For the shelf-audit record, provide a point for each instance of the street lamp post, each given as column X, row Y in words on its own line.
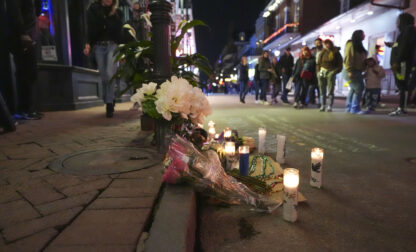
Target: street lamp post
column 161, row 19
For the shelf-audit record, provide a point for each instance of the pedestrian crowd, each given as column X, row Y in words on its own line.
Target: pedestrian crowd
column 313, row 75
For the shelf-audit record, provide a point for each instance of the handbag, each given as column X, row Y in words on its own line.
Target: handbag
column 307, row 75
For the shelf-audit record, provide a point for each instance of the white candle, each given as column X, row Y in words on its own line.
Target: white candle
column 290, row 183
column 281, row 149
column 211, row 133
column 200, row 125
column 229, row 154
column 227, row 134
column 211, row 124
column 262, row 140
column 317, row 160
column 217, row 136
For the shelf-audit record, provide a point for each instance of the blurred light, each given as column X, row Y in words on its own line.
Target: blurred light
column 338, row 27
column 291, row 38
column 304, row 43
column 214, row 84
column 276, row 53
column 196, row 71
column 266, row 14
column 235, row 69
column 216, row 78
column 370, row 13
column 352, row 21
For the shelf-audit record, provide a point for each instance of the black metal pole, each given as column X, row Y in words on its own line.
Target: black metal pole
column 161, row 19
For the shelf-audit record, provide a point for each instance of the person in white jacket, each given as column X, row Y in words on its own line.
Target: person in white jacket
column 373, row 76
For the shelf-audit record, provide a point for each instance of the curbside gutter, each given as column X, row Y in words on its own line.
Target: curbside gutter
column 174, row 225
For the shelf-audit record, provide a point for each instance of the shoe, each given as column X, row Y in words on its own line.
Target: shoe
column 285, row 101
column 322, row 109
column 362, row 112
column 256, row 102
column 109, row 110
column 295, row 105
column 329, row 109
column 243, row 101
column 397, row 112
column 266, row 103
column 32, row 116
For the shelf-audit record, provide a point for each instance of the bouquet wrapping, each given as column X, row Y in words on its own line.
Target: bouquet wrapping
column 203, row 169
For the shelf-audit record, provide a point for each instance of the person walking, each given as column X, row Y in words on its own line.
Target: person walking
column 265, row 68
column 104, row 33
column 403, row 59
column 286, row 63
column 316, row 50
column 303, row 76
column 329, row 64
column 276, row 80
column 242, row 71
column 373, row 76
column 354, row 65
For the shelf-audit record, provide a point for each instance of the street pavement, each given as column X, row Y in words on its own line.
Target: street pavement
column 367, row 202
column 41, row 209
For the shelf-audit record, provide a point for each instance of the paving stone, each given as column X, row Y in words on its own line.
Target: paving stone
column 32, row 243
column 122, row 203
column 104, row 227
column 154, row 172
column 149, row 189
column 30, row 227
column 39, row 192
column 8, row 193
column 16, row 211
column 63, row 204
column 89, row 248
column 16, row 164
column 61, row 181
column 18, row 177
column 86, row 187
column 27, row 151
column 3, row 182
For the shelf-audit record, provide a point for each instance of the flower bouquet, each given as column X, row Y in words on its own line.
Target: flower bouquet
column 174, row 100
column 184, row 162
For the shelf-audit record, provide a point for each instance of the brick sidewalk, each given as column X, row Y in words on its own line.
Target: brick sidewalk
column 44, row 210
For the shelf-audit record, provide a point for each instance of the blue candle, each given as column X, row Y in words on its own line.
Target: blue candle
column 244, row 152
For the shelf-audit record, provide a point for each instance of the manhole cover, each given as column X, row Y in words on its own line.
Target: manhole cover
column 411, row 160
column 105, row 161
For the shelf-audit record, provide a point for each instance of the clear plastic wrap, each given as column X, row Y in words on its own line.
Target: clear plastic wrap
column 184, row 161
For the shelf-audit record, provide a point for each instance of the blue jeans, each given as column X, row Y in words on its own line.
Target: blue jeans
column 356, row 92
column 263, row 89
column 243, row 89
column 285, row 78
column 107, row 67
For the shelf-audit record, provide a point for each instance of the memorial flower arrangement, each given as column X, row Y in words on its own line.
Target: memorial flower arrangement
column 173, row 100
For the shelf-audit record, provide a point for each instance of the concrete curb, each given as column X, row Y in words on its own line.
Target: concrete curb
column 174, row 225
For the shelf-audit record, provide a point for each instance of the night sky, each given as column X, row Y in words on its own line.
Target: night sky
column 222, row 16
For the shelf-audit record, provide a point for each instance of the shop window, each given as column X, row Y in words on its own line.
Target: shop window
column 46, row 39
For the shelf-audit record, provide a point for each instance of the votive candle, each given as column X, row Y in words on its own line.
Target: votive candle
column 229, row 154
column 211, row 124
column 317, row 160
column 281, row 149
column 290, row 188
column 227, row 134
column 211, row 133
column 262, row 140
column 244, row 152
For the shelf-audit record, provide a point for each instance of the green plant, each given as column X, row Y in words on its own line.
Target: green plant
column 136, row 59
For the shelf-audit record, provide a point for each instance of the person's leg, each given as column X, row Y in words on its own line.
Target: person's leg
column 284, row 90
column 331, row 89
column 241, row 90
column 322, row 82
column 357, row 83
column 111, row 69
column 303, row 91
column 257, row 89
column 298, row 87
column 263, row 95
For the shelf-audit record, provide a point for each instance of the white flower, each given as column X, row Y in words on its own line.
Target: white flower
column 149, row 89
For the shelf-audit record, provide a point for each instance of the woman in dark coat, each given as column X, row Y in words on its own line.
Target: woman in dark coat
column 104, row 21
column 243, row 78
column 303, row 76
column 265, row 67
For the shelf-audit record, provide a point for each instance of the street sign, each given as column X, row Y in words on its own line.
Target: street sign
column 398, row 4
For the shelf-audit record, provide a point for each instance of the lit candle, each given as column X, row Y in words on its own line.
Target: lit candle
column 262, row 140
column 290, row 183
column 317, row 158
column 217, row 136
column 211, row 124
column 244, row 152
column 281, row 149
column 211, row 133
column 229, row 154
column 227, row 134
column 200, row 125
